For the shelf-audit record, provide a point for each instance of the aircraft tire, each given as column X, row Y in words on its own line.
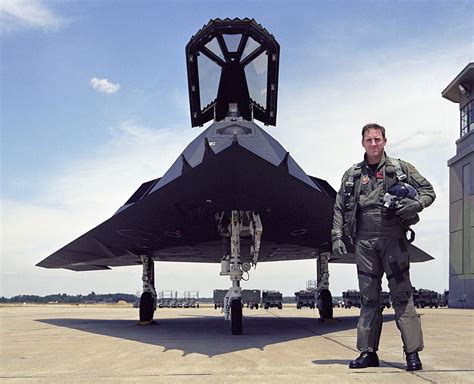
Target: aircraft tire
column 236, row 317
column 325, row 304
column 146, row 307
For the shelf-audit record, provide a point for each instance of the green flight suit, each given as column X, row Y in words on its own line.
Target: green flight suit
column 381, row 247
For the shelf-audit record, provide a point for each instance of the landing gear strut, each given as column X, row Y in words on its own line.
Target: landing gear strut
column 232, row 265
column 323, row 295
column 148, row 298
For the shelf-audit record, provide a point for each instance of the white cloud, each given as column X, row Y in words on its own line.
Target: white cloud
column 104, row 85
column 16, row 14
column 104, row 179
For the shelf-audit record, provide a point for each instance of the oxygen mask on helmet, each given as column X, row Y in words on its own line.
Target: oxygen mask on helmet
column 394, row 195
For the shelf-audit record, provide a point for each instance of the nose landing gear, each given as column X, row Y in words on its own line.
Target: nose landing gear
column 232, row 265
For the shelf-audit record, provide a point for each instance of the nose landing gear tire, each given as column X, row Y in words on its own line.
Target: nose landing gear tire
column 236, row 317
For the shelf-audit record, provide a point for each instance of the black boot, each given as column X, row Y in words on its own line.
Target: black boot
column 366, row 359
column 413, row 362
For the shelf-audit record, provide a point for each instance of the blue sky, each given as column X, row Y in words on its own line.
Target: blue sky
column 94, row 102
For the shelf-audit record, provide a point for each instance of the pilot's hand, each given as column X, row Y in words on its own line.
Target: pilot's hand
column 338, row 248
column 410, row 207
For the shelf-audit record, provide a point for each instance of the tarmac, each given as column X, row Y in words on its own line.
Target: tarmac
column 93, row 343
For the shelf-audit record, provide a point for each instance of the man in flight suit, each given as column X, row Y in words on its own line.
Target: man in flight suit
column 380, row 243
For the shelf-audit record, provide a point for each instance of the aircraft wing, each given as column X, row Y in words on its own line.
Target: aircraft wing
column 173, row 218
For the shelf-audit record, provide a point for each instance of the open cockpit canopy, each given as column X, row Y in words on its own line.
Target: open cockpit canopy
column 233, row 62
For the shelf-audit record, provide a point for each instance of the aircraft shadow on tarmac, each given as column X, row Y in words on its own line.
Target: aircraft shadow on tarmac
column 210, row 335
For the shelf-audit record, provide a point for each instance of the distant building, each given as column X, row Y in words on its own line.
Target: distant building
column 461, row 194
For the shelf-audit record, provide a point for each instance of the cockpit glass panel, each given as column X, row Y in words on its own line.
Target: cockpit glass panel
column 256, row 74
column 215, row 48
column 209, row 76
column 232, row 41
column 250, row 46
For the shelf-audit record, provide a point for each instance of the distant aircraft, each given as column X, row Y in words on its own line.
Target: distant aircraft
column 234, row 196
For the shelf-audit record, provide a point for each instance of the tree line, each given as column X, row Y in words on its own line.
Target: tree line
column 71, row 299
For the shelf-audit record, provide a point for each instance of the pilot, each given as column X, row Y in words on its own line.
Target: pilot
column 380, row 243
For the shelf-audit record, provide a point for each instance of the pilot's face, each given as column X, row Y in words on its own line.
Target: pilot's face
column 374, row 144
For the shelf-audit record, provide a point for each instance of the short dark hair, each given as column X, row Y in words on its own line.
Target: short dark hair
column 373, row 126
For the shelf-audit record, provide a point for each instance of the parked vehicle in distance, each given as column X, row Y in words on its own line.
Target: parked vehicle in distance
column 305, row 298
column 272, row 299
column 351, row 298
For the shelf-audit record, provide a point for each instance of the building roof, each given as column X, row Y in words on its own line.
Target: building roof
column 452, row 91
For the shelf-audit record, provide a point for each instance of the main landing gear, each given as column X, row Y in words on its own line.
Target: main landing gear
column 242, row 223
column 323, row 295
column 148, row 298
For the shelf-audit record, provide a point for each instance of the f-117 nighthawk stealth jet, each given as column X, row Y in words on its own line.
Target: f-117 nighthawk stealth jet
column 234, row 196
